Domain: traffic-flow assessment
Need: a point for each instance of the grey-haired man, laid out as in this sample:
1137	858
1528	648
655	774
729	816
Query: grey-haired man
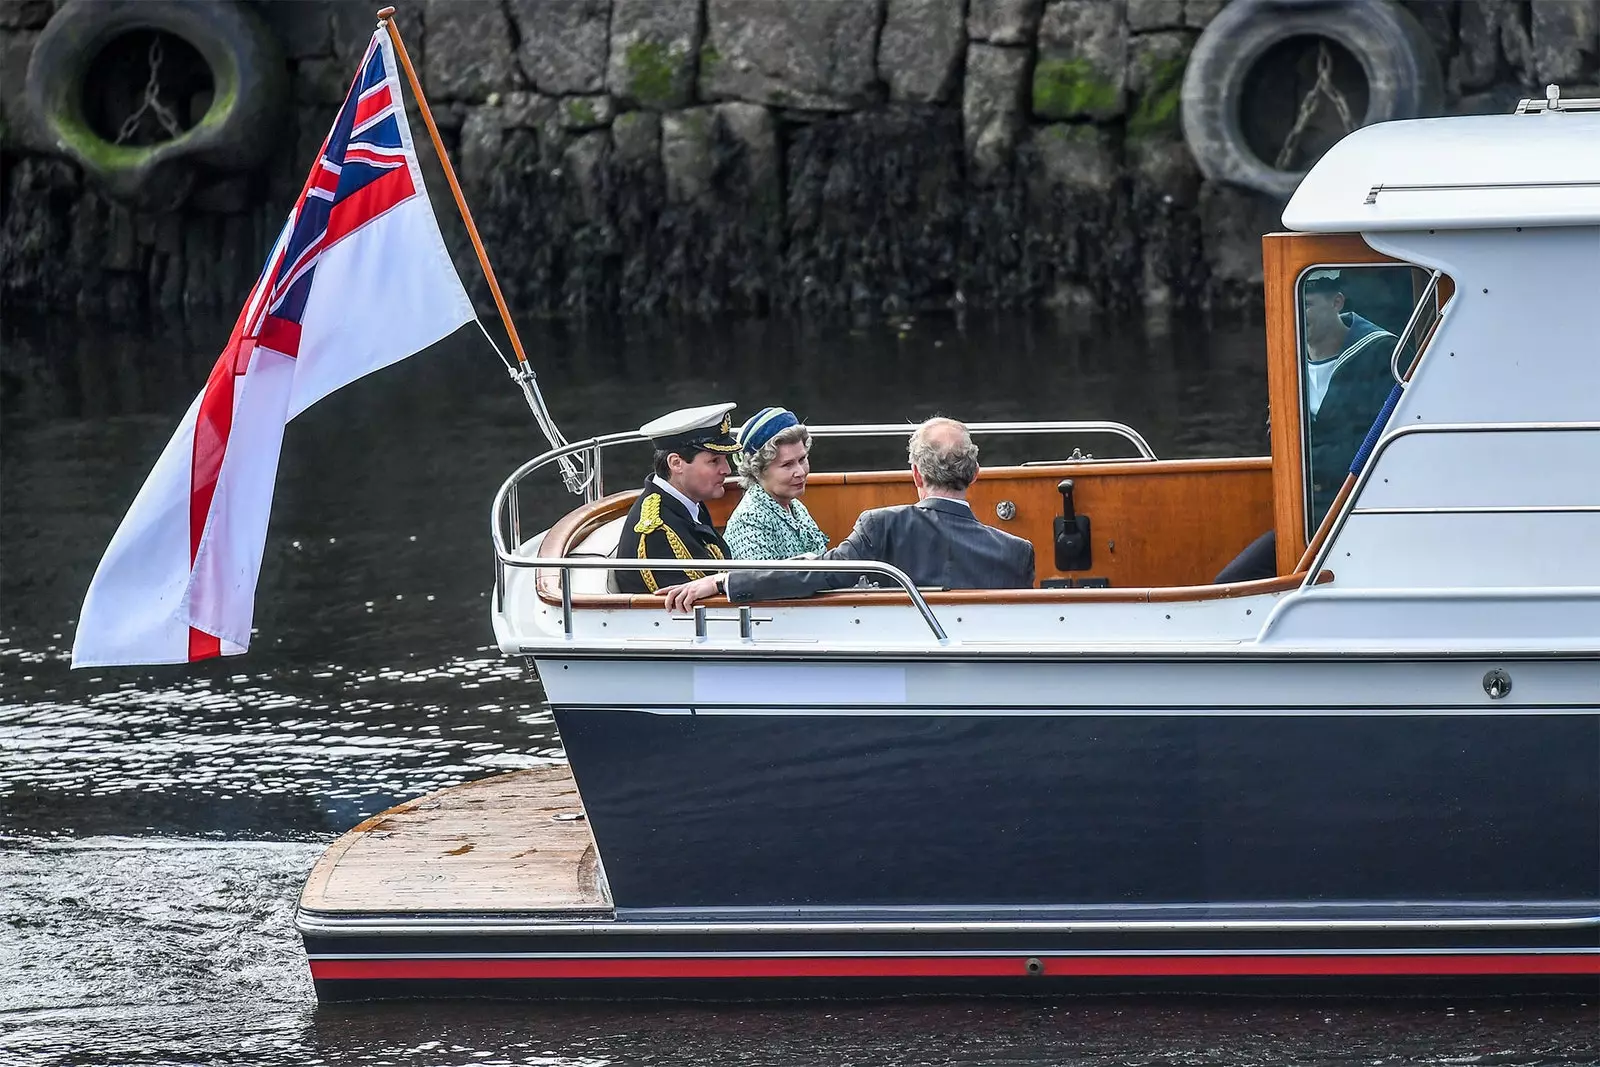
937	541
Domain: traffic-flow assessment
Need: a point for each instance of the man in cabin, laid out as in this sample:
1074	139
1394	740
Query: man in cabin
670	520
937	541
1347	380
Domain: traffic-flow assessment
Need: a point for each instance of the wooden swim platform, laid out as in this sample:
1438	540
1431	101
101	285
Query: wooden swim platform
512	844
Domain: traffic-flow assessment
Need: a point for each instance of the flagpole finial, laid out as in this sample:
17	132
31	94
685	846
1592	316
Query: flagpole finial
385	13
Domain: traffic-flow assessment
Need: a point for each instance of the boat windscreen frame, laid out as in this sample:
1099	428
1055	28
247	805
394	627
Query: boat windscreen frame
1285	258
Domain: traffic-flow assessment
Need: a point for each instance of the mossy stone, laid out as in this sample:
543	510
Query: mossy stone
653	73
1155	107
1072	88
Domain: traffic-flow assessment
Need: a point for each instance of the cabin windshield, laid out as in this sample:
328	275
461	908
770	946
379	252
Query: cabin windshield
1352	318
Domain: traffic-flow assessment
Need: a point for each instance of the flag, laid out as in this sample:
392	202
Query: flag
358	279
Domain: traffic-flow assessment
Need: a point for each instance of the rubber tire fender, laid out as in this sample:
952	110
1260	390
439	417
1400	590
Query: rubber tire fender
1404	79
250	89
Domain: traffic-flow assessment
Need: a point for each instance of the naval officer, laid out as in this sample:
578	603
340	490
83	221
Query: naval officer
670	520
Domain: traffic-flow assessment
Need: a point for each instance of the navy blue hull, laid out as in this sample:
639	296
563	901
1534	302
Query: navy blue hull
1114	814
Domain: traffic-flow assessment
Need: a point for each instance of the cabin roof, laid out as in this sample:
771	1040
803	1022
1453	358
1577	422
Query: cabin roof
1465	172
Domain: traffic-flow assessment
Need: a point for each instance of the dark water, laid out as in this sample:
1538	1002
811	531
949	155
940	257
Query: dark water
155	824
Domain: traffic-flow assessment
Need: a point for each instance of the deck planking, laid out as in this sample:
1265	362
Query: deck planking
492	845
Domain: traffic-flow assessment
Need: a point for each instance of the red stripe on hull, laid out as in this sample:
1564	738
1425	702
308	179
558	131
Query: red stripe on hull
1304	966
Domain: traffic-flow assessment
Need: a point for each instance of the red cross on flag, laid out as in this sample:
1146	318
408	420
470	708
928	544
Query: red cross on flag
358	279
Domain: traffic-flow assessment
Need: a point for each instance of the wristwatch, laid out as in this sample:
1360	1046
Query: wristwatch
721	582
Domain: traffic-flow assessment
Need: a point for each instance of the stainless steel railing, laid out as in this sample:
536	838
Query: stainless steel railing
505	519
567	564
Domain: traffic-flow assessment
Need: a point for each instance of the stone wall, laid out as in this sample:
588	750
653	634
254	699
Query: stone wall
755	155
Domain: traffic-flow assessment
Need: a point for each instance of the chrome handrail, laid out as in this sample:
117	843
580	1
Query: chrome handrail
567	564
1411	325
892	429
594	447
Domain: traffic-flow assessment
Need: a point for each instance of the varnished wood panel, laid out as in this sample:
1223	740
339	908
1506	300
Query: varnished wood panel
1155	524
492	845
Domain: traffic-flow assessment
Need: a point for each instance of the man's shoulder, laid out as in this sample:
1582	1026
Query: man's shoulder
887	513
1010	540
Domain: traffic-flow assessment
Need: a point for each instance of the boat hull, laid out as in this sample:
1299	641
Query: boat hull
1270	811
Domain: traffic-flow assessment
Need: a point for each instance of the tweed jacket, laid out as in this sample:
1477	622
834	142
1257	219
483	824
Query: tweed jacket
939	543
760	528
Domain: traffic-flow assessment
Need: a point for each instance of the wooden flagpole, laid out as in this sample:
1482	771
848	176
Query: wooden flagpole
386	15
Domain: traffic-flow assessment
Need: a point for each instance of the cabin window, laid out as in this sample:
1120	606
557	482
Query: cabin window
1351	318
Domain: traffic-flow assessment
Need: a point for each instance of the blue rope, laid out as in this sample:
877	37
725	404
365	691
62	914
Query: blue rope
1364	453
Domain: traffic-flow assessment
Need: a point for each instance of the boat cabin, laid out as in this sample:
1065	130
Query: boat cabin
1466	250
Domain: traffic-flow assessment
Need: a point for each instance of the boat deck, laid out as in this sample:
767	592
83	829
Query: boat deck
507	844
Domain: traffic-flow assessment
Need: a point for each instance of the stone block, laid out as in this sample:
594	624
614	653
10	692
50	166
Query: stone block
1081	72
1077	157
122	243
223	196
17	127
1156	63
636	138
1232	221
1164	166
581	163
469	50
586	112
1146	15
303	27
479	151
526	111
654	49
752	128
322	81
1491	36
1009	22
687	140
1566	39
563	43
1197	14
350	23
811	56
919	50
25	14
1438	22
992	106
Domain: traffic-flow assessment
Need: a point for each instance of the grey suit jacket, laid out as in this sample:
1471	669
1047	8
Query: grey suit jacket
937	542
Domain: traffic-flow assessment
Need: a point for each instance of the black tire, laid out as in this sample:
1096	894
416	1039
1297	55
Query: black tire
238	132
1401	67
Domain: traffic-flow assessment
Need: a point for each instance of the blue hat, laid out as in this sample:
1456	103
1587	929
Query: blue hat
763	426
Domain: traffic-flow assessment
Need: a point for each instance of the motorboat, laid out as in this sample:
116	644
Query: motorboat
1377	762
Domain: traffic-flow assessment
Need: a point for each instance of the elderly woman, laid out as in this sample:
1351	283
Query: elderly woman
770	522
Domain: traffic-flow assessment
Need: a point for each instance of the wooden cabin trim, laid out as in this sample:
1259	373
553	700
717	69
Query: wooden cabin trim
1284	257
1022	484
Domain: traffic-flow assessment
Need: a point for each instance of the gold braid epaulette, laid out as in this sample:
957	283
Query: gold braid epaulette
650	521
649	514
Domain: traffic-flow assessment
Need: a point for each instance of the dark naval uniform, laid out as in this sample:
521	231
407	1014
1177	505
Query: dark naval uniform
658	524
658	527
